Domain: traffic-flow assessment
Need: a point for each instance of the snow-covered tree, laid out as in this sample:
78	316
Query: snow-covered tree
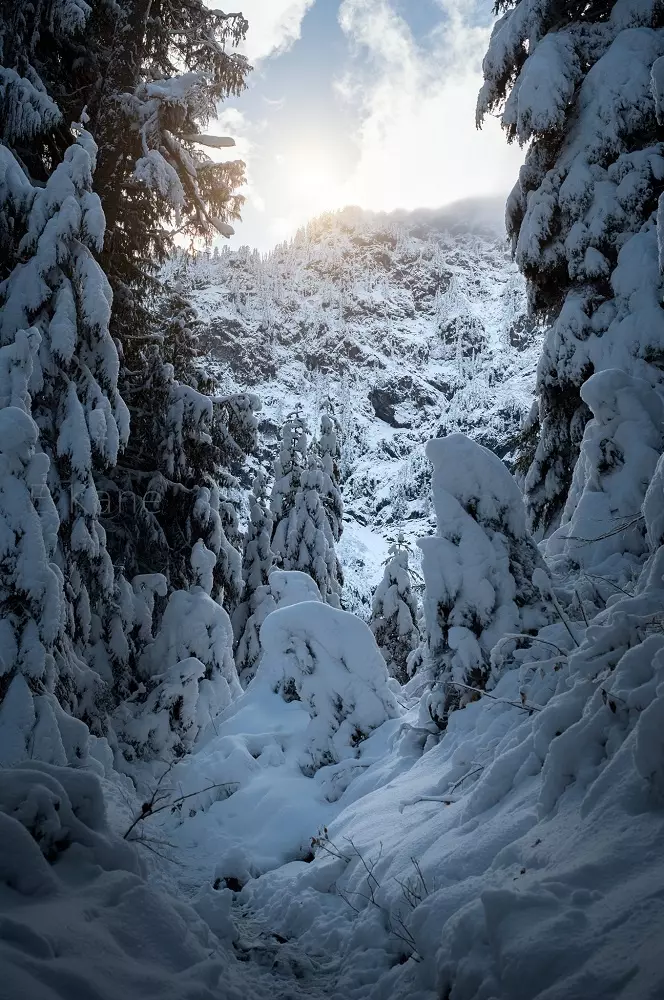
583	86
257	563
173	478
603	531
288	468
32	600
394	612
283	588
328	448
59	289
328	660
304	538
187	677
477	570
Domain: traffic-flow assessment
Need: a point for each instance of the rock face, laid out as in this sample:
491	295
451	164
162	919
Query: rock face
413	324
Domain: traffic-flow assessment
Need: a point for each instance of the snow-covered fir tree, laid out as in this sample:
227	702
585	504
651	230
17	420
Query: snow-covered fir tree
304	539
257	563
583	87
478	571
61	291
32	599
394	612
601	542
288	468
328	447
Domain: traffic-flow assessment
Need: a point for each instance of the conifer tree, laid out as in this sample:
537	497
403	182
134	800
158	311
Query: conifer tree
328	448
603	531
257	562
32	600
288	468
59	289
147	85
583	86
308	543
394	612
477	570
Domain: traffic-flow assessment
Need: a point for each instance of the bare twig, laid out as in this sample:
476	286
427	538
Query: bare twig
524	706
156	803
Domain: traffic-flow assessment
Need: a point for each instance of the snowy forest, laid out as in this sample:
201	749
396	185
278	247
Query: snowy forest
331	577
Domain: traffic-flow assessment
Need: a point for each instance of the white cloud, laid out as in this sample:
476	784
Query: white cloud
273	25
418	145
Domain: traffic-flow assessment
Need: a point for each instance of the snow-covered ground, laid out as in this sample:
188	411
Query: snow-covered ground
321	837
518	857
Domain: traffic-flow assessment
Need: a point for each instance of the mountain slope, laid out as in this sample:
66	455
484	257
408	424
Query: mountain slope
413	324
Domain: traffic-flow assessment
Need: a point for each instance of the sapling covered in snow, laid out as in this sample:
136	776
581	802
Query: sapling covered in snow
477	570
394	612
328	660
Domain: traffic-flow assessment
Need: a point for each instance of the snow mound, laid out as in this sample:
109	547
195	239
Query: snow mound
521	856
328	660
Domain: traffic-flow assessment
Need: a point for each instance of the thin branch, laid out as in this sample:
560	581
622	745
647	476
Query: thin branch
524	706
148	808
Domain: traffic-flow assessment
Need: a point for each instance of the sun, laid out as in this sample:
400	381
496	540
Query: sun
315	183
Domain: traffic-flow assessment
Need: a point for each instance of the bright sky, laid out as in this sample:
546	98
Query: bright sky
364	102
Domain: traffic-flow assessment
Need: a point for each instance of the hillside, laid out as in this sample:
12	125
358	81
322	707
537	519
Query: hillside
413	324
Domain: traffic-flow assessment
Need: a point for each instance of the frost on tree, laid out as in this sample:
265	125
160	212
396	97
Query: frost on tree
602	535
328	660
60	290
188	677
582	86
477	570
394	612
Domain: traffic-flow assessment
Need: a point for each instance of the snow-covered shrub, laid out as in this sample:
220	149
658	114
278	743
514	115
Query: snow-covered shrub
36	727
328	660
394	613
187	677
284	587
292	587
612	702
44	811
603	529
477	570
